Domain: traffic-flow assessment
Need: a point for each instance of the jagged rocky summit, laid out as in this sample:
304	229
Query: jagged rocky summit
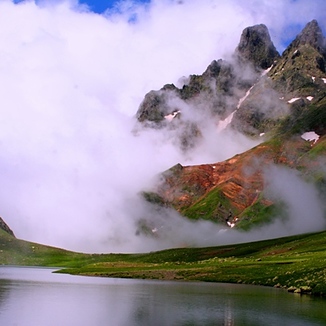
257	78
257	92
257	47
214	94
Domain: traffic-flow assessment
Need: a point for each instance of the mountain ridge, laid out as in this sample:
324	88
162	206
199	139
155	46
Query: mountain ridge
282	102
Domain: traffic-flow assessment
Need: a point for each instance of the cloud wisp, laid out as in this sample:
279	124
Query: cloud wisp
71	83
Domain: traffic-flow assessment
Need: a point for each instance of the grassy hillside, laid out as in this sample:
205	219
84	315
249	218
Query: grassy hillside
297	263
19	252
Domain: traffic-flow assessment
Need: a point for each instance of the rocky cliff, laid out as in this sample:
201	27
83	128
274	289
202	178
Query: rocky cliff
296	79
213	95
257	47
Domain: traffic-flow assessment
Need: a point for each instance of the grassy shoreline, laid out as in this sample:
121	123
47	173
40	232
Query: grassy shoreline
297	263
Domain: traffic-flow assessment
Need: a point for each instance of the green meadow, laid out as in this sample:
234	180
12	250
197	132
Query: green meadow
297	263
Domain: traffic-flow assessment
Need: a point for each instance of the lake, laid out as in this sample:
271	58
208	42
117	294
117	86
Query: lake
38	297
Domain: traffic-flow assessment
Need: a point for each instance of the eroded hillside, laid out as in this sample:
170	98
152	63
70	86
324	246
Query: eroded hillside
234	192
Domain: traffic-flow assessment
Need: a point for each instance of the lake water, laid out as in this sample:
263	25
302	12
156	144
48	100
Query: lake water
37	297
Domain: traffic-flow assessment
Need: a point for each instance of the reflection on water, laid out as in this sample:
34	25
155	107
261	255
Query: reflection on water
228	317
33	296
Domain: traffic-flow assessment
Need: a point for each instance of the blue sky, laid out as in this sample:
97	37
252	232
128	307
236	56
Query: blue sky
99	6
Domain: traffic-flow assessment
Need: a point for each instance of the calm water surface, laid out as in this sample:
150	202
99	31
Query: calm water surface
37	297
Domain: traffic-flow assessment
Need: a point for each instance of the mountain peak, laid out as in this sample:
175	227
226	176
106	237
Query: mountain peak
311	35
257	47
301	70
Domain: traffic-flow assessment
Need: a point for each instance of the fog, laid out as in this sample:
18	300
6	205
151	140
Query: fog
71	82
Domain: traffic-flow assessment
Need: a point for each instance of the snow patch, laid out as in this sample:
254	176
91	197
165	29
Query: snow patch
244	97
267	70
231	225
262	134
309	98
313	79
324	80
294	99
222	124
310	136
172	115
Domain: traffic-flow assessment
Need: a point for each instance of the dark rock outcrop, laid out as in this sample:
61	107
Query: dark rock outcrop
5	227
154	107
217	92
301	68
298	75
311	35
257	47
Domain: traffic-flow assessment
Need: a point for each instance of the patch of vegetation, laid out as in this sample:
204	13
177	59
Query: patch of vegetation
258	214
274	144
213	206
297	263
318	150
175	170
153	198
305	118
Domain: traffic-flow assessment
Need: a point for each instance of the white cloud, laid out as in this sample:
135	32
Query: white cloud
304	207
71	82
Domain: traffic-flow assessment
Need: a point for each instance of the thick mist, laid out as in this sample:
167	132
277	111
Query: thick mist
303	210
71	82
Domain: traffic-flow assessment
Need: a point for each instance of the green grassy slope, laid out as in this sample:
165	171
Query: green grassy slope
297	262
19	252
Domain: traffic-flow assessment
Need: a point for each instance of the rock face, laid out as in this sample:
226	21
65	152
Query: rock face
216	92
285	100
298	74
257	47
311	35
301	69
5	227
214	95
